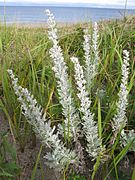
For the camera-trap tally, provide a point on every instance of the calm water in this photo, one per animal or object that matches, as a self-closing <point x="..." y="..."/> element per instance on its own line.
<point x="32" y="14"/>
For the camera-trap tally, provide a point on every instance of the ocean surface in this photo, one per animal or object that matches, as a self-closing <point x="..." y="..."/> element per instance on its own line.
<point x="36" y="14"/>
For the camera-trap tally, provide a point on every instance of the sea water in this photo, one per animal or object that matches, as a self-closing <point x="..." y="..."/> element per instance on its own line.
<point x="36" y="14"/>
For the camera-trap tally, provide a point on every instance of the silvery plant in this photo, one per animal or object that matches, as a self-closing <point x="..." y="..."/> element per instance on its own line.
<point x="64" y="140"/>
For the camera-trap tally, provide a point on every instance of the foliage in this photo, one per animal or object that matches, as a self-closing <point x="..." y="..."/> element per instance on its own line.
<point x="9" y="169"/>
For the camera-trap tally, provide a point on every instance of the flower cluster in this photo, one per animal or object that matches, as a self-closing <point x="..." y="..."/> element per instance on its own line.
<point x="88" y="59"/>
<point x="89" y="126"/>
<point x="60" y="156"/>
<point x="95" y="46"/>
<point x="120" y="120"/>
<point x="90" y="47"/>
<point x="63" y="84"/>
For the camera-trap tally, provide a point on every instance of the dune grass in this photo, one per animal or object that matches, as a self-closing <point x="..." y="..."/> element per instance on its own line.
<point x="25" y="50"/>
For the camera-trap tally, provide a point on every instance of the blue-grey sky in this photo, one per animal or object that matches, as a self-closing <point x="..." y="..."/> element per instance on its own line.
<point x="98" y="2"/>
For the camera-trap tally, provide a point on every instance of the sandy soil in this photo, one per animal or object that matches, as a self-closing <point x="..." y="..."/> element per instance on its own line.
<point x="28" y="158"/>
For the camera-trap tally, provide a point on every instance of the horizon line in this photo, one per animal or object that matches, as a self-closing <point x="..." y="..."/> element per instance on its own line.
<point x="72" y="4"/>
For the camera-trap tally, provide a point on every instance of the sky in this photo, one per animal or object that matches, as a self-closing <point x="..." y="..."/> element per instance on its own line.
<point x="98" y="2"/>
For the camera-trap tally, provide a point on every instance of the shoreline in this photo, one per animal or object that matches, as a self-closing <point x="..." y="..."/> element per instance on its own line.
<point x="61" y="24"/>
<point x="41" y="25"/>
